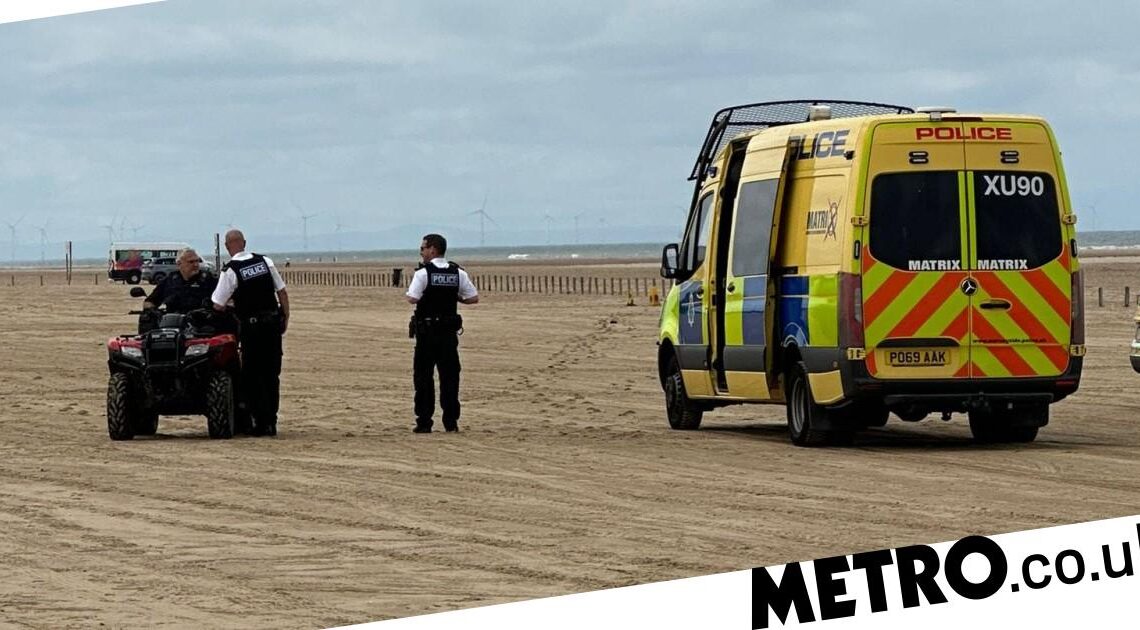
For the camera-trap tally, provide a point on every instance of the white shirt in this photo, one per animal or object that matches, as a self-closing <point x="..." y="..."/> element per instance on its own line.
<point x="419" y="282"/>
<point x="227" y="284"/>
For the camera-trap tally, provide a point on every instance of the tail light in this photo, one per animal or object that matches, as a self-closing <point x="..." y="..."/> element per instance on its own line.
<point x="1077" y="314"/>
<point x="850" y="311"/>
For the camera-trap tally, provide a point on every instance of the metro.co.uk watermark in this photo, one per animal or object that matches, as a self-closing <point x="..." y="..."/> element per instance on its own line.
<point x="917" y="568"/>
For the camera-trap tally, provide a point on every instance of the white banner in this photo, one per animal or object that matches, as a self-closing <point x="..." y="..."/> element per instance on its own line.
<point x="19" y="10"/>
<point x="1071" y="576"/>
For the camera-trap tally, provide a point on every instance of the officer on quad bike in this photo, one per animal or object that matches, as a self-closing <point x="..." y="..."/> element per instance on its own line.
<point x="181" y="292"/>
<point x="184" y="360"/>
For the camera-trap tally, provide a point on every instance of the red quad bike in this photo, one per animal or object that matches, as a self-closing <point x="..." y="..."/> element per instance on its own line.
<point x="178" y="364"/>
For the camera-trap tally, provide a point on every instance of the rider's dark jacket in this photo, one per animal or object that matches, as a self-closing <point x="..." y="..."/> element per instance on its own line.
<point x="181" y="295"/>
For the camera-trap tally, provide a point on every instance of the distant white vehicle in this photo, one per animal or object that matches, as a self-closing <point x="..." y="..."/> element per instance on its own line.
<point x="125" y="260"/>
<point x="518" y="256"/>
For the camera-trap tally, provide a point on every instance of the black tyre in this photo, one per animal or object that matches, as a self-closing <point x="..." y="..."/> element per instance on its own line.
<point x="134" y="278"/>
<point x="120" y="414"/>
<point x="220" y="406"/>
<point x="910" y="415"/>
<point x="805" y="417"/>
<point x="866" y="413"/>
<point x="991" y="428"/>
<point x="146" y="423"/>
<point x="684" y="414"/>
<point x="158" y="277"/>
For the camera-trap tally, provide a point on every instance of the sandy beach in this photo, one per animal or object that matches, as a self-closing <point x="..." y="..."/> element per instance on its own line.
<point x="565" y="477"/>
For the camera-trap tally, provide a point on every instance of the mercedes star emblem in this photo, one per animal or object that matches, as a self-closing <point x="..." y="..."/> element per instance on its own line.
<point x="969" y="286"/>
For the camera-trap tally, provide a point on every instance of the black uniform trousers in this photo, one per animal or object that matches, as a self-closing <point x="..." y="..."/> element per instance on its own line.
<point x="436" y="349"/>
<point x="261" y="370"/>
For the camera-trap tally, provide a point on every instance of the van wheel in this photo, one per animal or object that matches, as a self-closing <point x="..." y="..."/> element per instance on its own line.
<point x="684" y="415"/>
<point x="910" y="415"/>
<point x="805" y="416"/>
<point x="990" y="428"/>
<point x="867" y="413"/>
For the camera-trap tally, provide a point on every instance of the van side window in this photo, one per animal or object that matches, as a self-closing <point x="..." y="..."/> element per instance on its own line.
<point x="1016" y="217"/>
<point x="914" y="218"/>
<point x="697" y="236"/>
<point x="752" y="235"/>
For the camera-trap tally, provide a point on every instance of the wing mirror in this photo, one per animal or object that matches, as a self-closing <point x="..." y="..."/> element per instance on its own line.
<point x="669" y="260"/>
<point x="137" y="292"/>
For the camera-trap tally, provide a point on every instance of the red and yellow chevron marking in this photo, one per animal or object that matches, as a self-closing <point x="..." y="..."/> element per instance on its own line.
<point x="1032" y="337"/>
<point x="901" y="304"/>
<point x="1029" y="339"/>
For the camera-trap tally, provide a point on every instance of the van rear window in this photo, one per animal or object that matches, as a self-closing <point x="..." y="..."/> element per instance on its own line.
<point x="914" y="220"/>
<point x="1017" y="222"/>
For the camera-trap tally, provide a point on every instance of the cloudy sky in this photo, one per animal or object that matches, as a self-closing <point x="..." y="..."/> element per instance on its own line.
<point x="173" y="120"/>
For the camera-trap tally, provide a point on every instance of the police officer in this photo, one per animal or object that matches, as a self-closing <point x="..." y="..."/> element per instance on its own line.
<point x="262" y="308"/>
<point x="435" y="289"/>
<point x="186" y="290"/>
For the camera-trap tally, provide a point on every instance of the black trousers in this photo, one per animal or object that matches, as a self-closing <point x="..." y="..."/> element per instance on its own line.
<point x="436" y="349"/>
<point x="261" y="369"/>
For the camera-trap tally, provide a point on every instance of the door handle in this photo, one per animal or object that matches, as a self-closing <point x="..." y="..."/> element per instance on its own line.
<point x="731" y="287"/>
<point x="996" y="304"/>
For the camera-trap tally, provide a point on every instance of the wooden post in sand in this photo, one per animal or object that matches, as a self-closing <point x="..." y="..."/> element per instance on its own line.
<point x="1126" y="297"/>
<point x="1100" y="296"/>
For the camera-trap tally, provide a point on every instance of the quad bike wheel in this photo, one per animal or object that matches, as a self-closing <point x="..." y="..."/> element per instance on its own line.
<point x="120" y="415"/>
<point x="146" y="423"/>
<point x="220" y="406"/>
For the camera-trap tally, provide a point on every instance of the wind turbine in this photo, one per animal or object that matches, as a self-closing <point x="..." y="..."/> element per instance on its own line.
<point x="602" y="223"/>
<point x="43" y="240"/>
<point x="336" y="229"/>
<point x="576" y="217"/>
<point x="304" y="226"/>
<point x="12" y="227"/>
<point x="483" y="215"/>
<point x="135" y="231"/>
<point x="548" y="219"/>
<point x="110" y="227"/>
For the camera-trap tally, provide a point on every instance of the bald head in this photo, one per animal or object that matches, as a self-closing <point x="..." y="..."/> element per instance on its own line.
<point x="235" y="242"/>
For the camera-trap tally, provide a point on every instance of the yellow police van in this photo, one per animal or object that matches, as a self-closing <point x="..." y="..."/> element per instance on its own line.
<point x="850" y="260"/>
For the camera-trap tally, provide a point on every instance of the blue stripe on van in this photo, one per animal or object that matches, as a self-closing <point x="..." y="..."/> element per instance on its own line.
<point x="794" y="285"/>
<point x="752" y="315"/>
<point x="792" y="319"/>
<point x="692" y="315"/>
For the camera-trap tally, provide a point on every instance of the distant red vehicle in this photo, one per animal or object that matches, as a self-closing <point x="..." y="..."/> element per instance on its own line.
<point x="125" y="260"/>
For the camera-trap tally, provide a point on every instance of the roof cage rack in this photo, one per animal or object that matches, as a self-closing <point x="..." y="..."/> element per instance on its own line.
<point x="733" y="121"/>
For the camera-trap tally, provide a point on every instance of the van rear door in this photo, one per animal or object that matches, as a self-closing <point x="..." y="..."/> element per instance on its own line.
<point x="1020" y="322"/>
<point x="915" y="289"/>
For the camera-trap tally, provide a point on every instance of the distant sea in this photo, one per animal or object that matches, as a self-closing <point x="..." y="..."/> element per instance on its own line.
<point x="1090" y="241"/>
<point x="462" y="255"/>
